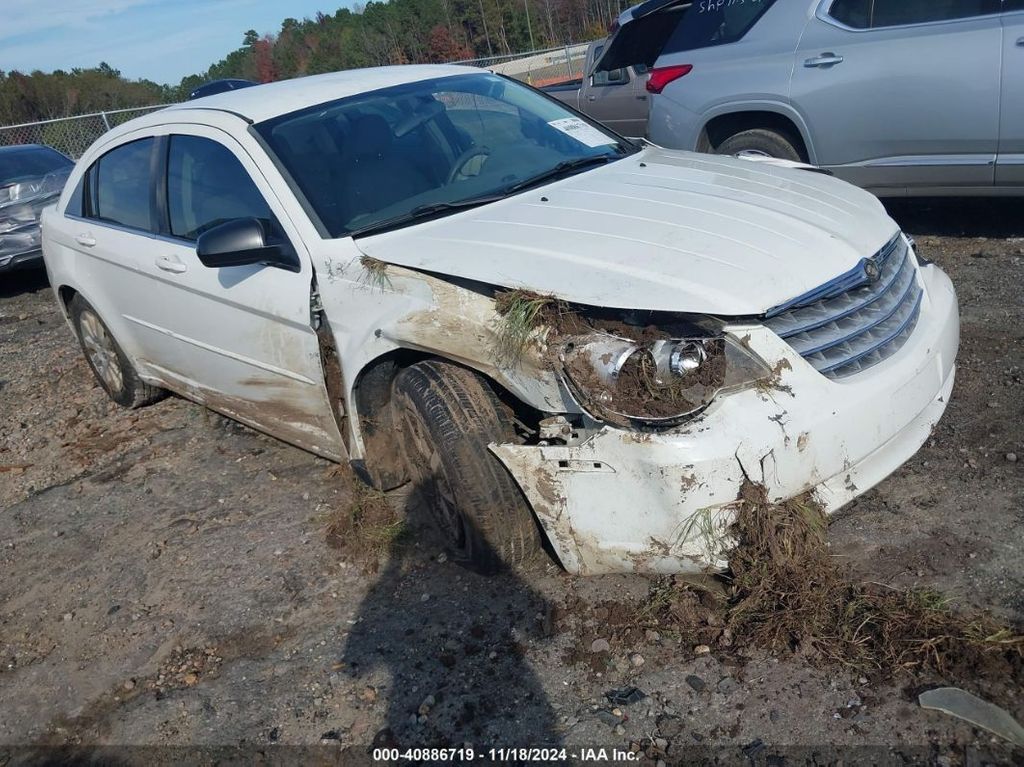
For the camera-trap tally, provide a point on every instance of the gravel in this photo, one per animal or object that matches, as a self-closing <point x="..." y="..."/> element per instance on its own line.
<point x="167" y="578"/>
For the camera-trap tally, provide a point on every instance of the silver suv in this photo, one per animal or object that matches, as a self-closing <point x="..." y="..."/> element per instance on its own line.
<point x="898" y="96"/>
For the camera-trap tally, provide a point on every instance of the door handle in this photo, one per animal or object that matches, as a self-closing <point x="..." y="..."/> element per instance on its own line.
<point x="591" y="98"/>
<point x="1020" y="42"/>
<point x="170" y="264"/>
<point x="824" y="60"/>
<point x="85" y="240"/>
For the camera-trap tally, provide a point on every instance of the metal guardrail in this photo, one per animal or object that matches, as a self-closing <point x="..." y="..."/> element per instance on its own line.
<point x="73" y="135"/>
<point x="538" y="68"/>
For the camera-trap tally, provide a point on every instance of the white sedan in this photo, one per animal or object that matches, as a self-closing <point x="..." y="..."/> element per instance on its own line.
<point x="445" y="277"/>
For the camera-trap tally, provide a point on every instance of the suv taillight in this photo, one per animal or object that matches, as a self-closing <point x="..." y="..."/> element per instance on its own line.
<point x="662" y="76"/>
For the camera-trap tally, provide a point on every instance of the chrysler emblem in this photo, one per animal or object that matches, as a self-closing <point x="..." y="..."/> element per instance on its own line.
<point x="872" y="271"/>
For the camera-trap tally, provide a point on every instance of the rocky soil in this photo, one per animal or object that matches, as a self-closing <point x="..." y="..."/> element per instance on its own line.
<point x="167" y="579"/>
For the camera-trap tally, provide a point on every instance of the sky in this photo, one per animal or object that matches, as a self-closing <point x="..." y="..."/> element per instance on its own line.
<point x="160" y="40"/>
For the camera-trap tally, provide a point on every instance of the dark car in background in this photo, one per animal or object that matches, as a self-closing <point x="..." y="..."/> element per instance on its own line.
<point x="219" y="86"/>
<point x="32" y="176"/>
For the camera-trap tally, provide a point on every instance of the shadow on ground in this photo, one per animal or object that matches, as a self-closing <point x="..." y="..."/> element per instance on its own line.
<point x="960" y="217"/>
<point x="23" y="281"/>
<point x="449" y="656"/>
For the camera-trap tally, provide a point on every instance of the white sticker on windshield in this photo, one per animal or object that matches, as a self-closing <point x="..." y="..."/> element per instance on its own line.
<point x="581" y="131"/>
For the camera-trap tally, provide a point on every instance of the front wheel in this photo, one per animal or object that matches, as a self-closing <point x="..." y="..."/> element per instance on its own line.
<point x="449" y="416"/>
<point x="108" y="362"/>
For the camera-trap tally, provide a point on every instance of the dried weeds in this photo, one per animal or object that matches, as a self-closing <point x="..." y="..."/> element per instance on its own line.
<point x="376" y="272"/>
<point x="786" y="594"/>
<point x="521" y="316"/>
<point x="368" y="527"/>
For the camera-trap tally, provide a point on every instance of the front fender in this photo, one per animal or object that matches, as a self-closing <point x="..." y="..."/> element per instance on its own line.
<point x="376" y="311"/>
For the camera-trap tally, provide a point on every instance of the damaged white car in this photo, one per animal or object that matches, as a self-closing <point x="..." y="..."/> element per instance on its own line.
<point x="445" y="277"/>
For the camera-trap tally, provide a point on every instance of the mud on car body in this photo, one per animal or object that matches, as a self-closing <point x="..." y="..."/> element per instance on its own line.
<point x="446" y="278"/>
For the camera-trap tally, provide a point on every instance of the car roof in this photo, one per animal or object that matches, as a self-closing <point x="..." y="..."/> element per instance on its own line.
<point x="25" y="147"/>
<point x="278" y="98"/>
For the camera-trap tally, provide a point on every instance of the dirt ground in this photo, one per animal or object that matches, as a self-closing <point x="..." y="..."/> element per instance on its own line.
<point x="165" y="579"/>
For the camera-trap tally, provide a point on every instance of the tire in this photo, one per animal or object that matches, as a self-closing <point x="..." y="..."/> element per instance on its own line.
<point x="763" y="141"/>
<point x="108" y="362"/>
<point x="449" y="415"/>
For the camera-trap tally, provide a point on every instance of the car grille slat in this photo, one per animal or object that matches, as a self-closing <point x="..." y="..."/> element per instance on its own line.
<point x="849" y="331"/>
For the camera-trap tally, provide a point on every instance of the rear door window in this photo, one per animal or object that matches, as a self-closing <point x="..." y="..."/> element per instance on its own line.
<point x="123" y="179"/>
<point x="875" y="14"/>
<point x="715" y="22"/>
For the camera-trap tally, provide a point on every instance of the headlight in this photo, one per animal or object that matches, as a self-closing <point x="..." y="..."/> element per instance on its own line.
<point x="655" y="382"/>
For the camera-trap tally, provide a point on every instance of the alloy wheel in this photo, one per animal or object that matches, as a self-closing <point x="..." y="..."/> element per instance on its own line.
<point x="100" y="349"/>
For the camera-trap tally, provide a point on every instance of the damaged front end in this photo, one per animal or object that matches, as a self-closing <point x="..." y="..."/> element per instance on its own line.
<point x="655" y="382"/>
<point x="677" y="415"/>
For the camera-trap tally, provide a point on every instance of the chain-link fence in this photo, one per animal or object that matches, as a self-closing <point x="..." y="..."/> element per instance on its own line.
<point x="71" y="135"/>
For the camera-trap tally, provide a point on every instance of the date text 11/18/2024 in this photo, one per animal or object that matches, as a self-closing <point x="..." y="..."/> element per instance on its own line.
<point x="505" y="755"/>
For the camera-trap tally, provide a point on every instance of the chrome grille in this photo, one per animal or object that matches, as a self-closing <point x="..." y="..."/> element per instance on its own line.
<point x="852" y="322"/>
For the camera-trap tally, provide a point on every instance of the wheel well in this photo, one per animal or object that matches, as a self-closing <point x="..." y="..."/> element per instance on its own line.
<point x="66" y="293"/>
<point x="722" y="127"/>
<point x="372" y="395"/>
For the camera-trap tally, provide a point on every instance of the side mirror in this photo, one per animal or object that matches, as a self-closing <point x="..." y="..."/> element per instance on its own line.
<point x="243" y="242"/>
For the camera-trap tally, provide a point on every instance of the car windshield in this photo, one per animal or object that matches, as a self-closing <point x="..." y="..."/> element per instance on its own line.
<point x="387" y="158"/>
<point x="31" y="162"/>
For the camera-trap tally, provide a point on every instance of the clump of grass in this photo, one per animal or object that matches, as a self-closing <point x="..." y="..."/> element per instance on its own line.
<point x="376" y="272"/>
<point x="368" y="527"/>
<point x="520" y="315"/>
<point x="786" y="594"/>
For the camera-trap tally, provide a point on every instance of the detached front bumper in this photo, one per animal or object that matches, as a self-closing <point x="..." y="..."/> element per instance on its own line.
<point x="623" y="501"/>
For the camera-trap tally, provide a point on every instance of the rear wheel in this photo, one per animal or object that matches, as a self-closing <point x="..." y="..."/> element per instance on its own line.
<point x="449" y="416"/>
<point x="108" y="362"/>
<point x="761" y="141"/>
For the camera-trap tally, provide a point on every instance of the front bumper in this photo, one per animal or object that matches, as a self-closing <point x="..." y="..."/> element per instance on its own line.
<point x="21" y="247"/>
<point x="623" y="501"/>
<point x="29" y="259"/>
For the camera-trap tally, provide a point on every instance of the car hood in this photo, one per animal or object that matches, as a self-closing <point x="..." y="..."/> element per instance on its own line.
<point x="659" y="230"/>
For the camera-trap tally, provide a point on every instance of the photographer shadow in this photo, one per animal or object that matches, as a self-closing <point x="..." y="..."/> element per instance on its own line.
<point x="446" y="649"/>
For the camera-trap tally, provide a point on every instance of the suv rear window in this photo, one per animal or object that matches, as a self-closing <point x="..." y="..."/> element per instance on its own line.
<point x="665" y="26"/>
<point x="715" y="22"/>
<point x="873" y="14"/>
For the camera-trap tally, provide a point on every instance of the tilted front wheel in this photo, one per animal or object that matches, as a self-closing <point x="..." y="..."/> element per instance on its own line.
<point x="112" y="369"/>
<point x="762" y="142"/>
<point x="449" y="416"/>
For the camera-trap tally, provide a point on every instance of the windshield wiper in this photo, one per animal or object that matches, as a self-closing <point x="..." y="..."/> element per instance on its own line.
<point x="563" y="168"/>
<point x="422" y="213"/>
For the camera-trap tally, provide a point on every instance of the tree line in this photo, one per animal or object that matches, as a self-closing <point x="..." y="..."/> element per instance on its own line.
<point x="379" y="33"/>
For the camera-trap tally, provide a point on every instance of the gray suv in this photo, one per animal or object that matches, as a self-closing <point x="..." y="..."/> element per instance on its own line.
<point x="918" y="97"/>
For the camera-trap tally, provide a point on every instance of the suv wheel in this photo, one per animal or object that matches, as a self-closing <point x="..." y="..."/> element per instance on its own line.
<point x="449" y="415"/>
<point x="109" y="364"/>
<point x="762" y="141"/>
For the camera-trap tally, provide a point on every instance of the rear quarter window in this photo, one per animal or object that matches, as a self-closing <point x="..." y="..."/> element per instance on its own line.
<point x="877" y="14"/>
<point x="715" y="22"/>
